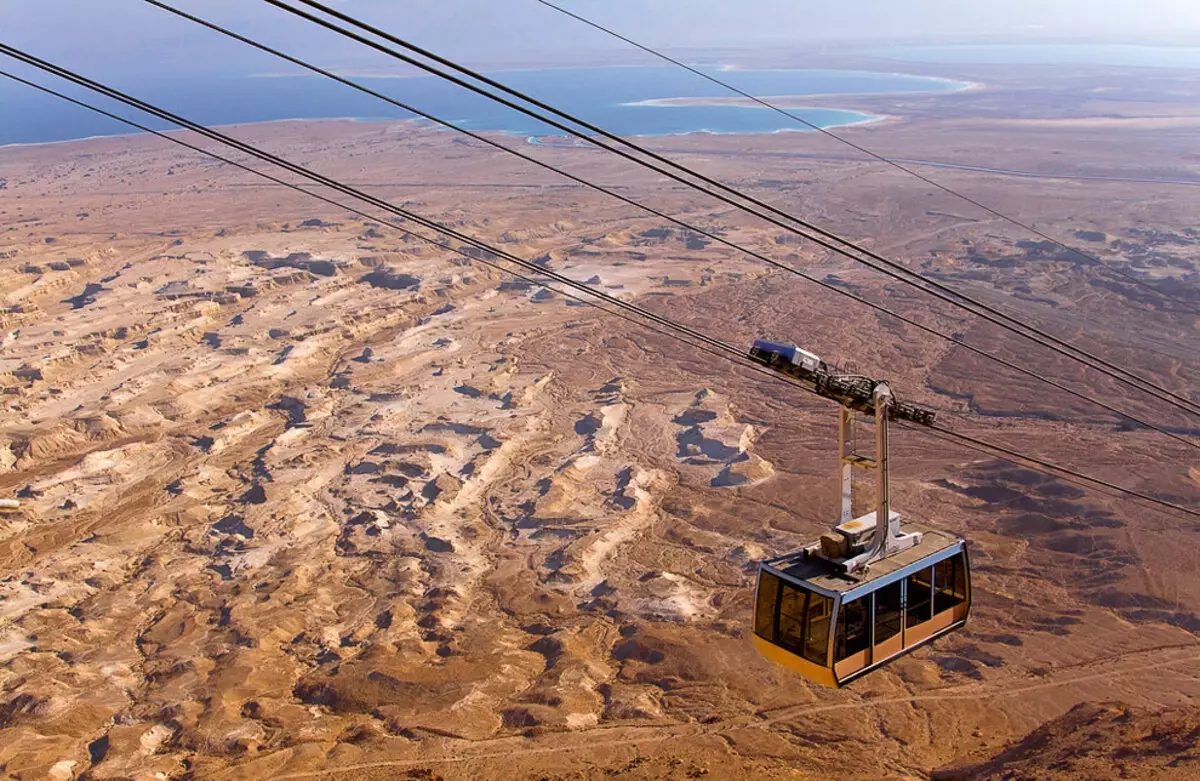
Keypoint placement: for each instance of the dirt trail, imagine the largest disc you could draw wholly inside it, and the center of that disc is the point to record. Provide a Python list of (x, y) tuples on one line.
[(477, 751)]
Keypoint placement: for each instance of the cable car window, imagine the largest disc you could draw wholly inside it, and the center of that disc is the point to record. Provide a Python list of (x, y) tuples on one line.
[(854, 628), (920, 597), (950, 583), (764, 611), (816, 636), (791, 618), (887, 612)]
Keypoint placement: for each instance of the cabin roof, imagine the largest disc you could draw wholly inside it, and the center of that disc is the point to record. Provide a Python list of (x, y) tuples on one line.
[(821, 573)]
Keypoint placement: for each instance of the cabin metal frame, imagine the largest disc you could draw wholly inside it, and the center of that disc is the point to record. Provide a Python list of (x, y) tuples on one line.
[(807, 572)]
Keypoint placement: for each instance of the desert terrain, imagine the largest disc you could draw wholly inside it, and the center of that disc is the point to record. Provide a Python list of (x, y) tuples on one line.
[(307, 498)]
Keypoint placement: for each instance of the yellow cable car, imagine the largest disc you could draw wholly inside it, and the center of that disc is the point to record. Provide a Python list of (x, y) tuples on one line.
[(867, 592), (832, 628)]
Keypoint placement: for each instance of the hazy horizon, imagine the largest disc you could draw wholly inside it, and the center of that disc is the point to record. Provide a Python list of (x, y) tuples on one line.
[(123, 37)]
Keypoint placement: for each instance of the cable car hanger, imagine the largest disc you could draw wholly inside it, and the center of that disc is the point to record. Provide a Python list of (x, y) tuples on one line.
[(868, 591)]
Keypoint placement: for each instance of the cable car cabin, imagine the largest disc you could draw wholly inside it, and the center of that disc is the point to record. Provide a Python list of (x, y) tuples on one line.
[(832, 627)]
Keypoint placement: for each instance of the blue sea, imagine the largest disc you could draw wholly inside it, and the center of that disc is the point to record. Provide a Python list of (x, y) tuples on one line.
[(1120, 55), (614, 98)]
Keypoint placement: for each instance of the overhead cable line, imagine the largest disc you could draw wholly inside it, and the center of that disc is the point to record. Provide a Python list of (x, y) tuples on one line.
[(689, 336), (763, 102), (291, 185), (892, 269), (707, 342), (378, 202), (674, 220), (1020, 459)]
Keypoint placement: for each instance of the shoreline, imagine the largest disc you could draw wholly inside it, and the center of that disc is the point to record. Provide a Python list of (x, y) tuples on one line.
[(795, 102), (1069, 54), (421, 124), (734, 68), (790, 101), (871, 119)]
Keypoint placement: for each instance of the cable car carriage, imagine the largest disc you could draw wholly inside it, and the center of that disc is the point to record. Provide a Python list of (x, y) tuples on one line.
[(865, 593)]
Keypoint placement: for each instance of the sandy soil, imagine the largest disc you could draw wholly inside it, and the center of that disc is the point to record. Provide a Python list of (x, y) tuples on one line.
[(305, 498), (1109, 740)]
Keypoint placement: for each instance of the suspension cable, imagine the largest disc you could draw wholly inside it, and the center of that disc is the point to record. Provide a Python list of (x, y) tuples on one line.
[(1091, 259), (1040, 465), (708, 342), (674, 220), (822, 237)]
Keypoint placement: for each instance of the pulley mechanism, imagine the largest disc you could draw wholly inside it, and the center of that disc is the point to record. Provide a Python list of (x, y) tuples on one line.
[(855, 543)]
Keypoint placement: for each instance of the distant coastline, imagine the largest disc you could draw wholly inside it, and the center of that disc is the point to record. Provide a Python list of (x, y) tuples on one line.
[(624, 100), (793, 101), (138, 134), (867, 119), (1185, 57)]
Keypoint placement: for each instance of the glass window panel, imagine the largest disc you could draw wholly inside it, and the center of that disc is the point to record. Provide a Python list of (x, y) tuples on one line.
[(816, 639), (791, 618), (854, 628), (804, 619), (887, 612), (949, 577), (764, 611), (920, 597)]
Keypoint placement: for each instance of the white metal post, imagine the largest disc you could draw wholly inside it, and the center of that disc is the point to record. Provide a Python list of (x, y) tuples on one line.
[(846, 462), (883, 531)]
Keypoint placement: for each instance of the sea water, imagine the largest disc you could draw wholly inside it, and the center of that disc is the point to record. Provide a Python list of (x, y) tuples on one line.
[(618, 99)]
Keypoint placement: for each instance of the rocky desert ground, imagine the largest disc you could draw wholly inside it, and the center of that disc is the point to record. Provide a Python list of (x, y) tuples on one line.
[(303, 497)]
